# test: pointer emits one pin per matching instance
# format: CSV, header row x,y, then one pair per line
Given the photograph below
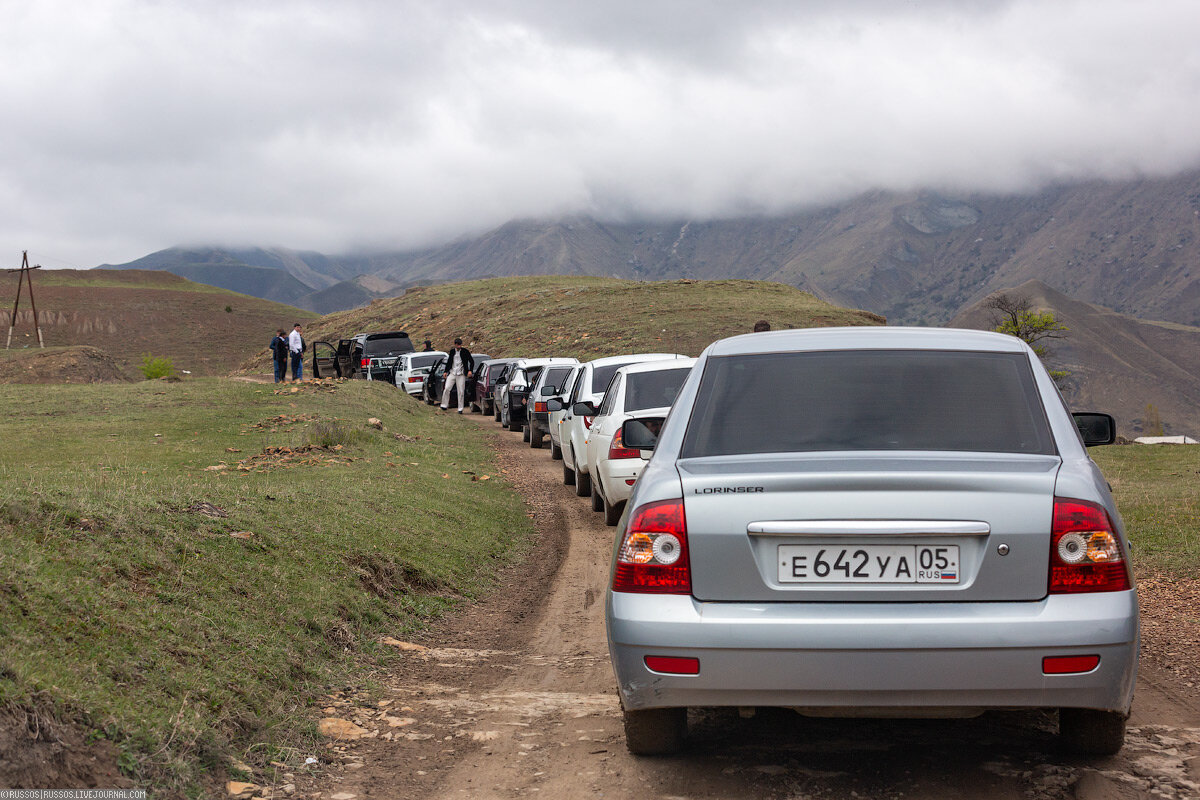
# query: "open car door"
x,y
324,360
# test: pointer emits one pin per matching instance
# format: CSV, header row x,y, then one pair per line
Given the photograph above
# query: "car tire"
x,y
583,483
524,433
568,475
655,731
496,414
597,500
1091,732
535,436
612,513
555,451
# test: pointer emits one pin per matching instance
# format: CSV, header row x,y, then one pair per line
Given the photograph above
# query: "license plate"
x,y
869,563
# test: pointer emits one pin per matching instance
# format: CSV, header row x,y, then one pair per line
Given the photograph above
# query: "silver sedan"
x,y
873,522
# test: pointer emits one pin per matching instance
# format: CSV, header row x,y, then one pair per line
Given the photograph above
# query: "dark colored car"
x,y
516,398
380,351
485,388
437,379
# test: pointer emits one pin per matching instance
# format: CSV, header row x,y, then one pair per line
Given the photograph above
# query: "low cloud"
x,y
129,126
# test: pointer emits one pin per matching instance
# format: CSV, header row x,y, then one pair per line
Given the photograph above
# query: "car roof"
x,y
867,338
541,362
655,366
604,362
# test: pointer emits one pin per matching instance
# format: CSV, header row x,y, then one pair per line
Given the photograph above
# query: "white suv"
x,y
589,389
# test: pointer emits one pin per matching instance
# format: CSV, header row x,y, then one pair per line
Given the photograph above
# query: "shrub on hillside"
x,y
329,433
156,367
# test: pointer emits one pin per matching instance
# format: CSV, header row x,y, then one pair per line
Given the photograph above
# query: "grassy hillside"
x,y
584,317
173,582
127,313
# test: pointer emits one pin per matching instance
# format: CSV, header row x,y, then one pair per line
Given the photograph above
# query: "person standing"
x,y
297,347
460,367
428,346
279,353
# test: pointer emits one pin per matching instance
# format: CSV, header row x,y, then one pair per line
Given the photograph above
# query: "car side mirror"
x,y
549,391
554,404
1096,429
583,409
641,434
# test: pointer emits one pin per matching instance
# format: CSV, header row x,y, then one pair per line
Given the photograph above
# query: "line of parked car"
x,y
852,522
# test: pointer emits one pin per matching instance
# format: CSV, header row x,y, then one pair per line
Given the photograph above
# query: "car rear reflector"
x,y
1085,552
618,449
673,665
653,556
1066,665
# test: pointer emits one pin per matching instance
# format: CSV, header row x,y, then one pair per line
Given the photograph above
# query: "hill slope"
x,y
131,312
582,317
1118,364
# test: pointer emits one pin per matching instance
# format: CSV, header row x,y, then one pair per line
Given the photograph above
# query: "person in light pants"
x,y
460,367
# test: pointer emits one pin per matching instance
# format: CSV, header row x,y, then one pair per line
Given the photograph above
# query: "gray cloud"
x,y
126,126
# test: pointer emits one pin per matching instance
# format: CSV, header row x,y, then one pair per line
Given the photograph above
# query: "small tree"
x,y
1017,317
156,367
1153,425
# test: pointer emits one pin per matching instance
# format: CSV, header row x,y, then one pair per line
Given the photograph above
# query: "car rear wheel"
x,y
655,731
496,413
568,475
597,500
583,483
535,436
1088,731
612,513
555,451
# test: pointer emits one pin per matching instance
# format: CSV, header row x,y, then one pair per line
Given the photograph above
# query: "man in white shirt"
x,y
460,367
296,347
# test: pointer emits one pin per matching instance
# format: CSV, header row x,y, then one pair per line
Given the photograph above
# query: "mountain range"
x,y
916,258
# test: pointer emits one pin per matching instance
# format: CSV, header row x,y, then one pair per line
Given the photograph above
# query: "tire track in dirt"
x,y
515,698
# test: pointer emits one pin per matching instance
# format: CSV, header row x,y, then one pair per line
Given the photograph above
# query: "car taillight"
x,y
618,449
366,362
539,407
653,557
587,423
1085,553
415,378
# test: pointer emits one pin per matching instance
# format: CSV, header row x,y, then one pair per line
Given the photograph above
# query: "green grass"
x,y
1157,488
149,622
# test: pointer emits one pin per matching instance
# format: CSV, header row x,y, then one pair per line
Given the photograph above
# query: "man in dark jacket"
x,y
460,365
279,353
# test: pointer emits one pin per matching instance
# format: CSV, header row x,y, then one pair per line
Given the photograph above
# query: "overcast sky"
x,y
127,126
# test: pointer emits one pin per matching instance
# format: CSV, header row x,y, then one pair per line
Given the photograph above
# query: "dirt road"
x,y
515,698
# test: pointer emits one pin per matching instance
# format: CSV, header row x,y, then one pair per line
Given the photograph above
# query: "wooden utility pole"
x,y
26,272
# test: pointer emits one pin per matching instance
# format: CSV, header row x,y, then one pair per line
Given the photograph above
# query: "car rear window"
x,y
383,344
653,389
602,376
423,361
555,376
867,400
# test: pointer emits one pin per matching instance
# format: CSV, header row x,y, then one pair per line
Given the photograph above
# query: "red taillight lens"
x,y
539,407
1085,553
618,449
673,665
653,557
415,378
366,362
1069,665
587,423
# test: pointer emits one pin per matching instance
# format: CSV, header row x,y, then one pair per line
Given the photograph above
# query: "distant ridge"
x,y
1118,364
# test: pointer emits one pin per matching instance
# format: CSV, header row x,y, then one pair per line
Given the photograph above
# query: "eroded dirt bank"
x,y
516,699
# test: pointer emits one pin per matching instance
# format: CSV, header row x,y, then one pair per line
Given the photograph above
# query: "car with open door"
x,y
883,521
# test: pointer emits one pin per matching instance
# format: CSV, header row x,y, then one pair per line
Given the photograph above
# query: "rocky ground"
x,y
515,699
79,364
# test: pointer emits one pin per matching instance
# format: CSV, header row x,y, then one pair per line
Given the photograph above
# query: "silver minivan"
x,y
874,522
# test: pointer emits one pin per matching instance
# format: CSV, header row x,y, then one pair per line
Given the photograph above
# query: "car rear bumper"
x,y
842,656
614,473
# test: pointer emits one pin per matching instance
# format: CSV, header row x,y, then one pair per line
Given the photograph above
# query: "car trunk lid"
x,y
764,528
